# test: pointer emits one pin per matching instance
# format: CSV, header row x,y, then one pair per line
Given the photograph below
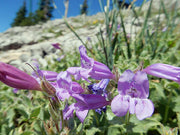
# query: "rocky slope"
x,y
21,44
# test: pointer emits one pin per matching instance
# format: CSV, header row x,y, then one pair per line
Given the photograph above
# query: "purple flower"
x,y
48,75
100,89
16,78
56,45
133,93
88,38
15,90
84,103
164,29
60,58
90,68
65,86
119,26
164,71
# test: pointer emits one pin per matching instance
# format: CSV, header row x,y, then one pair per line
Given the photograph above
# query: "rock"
x,y
156,4
22,44
15,63
24,57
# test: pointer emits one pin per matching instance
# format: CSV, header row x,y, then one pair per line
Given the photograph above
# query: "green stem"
x,y
127,121
96,118
167,108
62,120
127,118
125,36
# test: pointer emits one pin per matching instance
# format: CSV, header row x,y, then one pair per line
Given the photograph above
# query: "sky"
x,y
9,8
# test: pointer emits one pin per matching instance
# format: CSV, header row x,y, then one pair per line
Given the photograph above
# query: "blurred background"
x,y
30,9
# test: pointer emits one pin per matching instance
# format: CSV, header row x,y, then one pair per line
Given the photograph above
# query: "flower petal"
x,y
68,112
124,82
101,71
90,100
120,105
76,88
62,94
64,80
49,75
86,62
164,71
16,78
144,108
79,73
132,105
141,84
81,114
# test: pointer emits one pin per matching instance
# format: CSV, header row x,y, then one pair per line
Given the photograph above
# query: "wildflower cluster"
x,y
133,87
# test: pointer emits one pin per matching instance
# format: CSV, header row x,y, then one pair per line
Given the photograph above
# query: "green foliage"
x,y
84,8
20,16
43,14
27,111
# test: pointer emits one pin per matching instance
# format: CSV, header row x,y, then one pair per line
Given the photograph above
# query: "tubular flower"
x,y
48,75
56,45
65,86
85,102
164,71
16,78
100,89
90,68
133,93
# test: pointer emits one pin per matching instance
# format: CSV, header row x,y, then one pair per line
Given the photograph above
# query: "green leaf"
x,y
144,125
116,129
23,112
173,85
176,101
159,89
92,131
27,133
35,113
27,101
178,118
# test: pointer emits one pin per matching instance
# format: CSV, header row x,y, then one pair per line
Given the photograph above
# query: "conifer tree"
x,y
44,12
84,8
20,16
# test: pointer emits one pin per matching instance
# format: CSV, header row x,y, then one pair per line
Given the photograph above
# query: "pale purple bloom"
x,y
164,71
65,86
79,73
164,29
84,103
76,88
15,90
90,68
128,35
16,78
56,45
88,38
60,58
133,93
48,75
118,27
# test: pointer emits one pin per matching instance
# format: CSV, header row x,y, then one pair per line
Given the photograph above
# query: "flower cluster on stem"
x,y
133,87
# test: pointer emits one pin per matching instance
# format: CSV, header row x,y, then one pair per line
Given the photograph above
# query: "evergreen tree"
x,y
44,12
84,8
30,20
20,16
